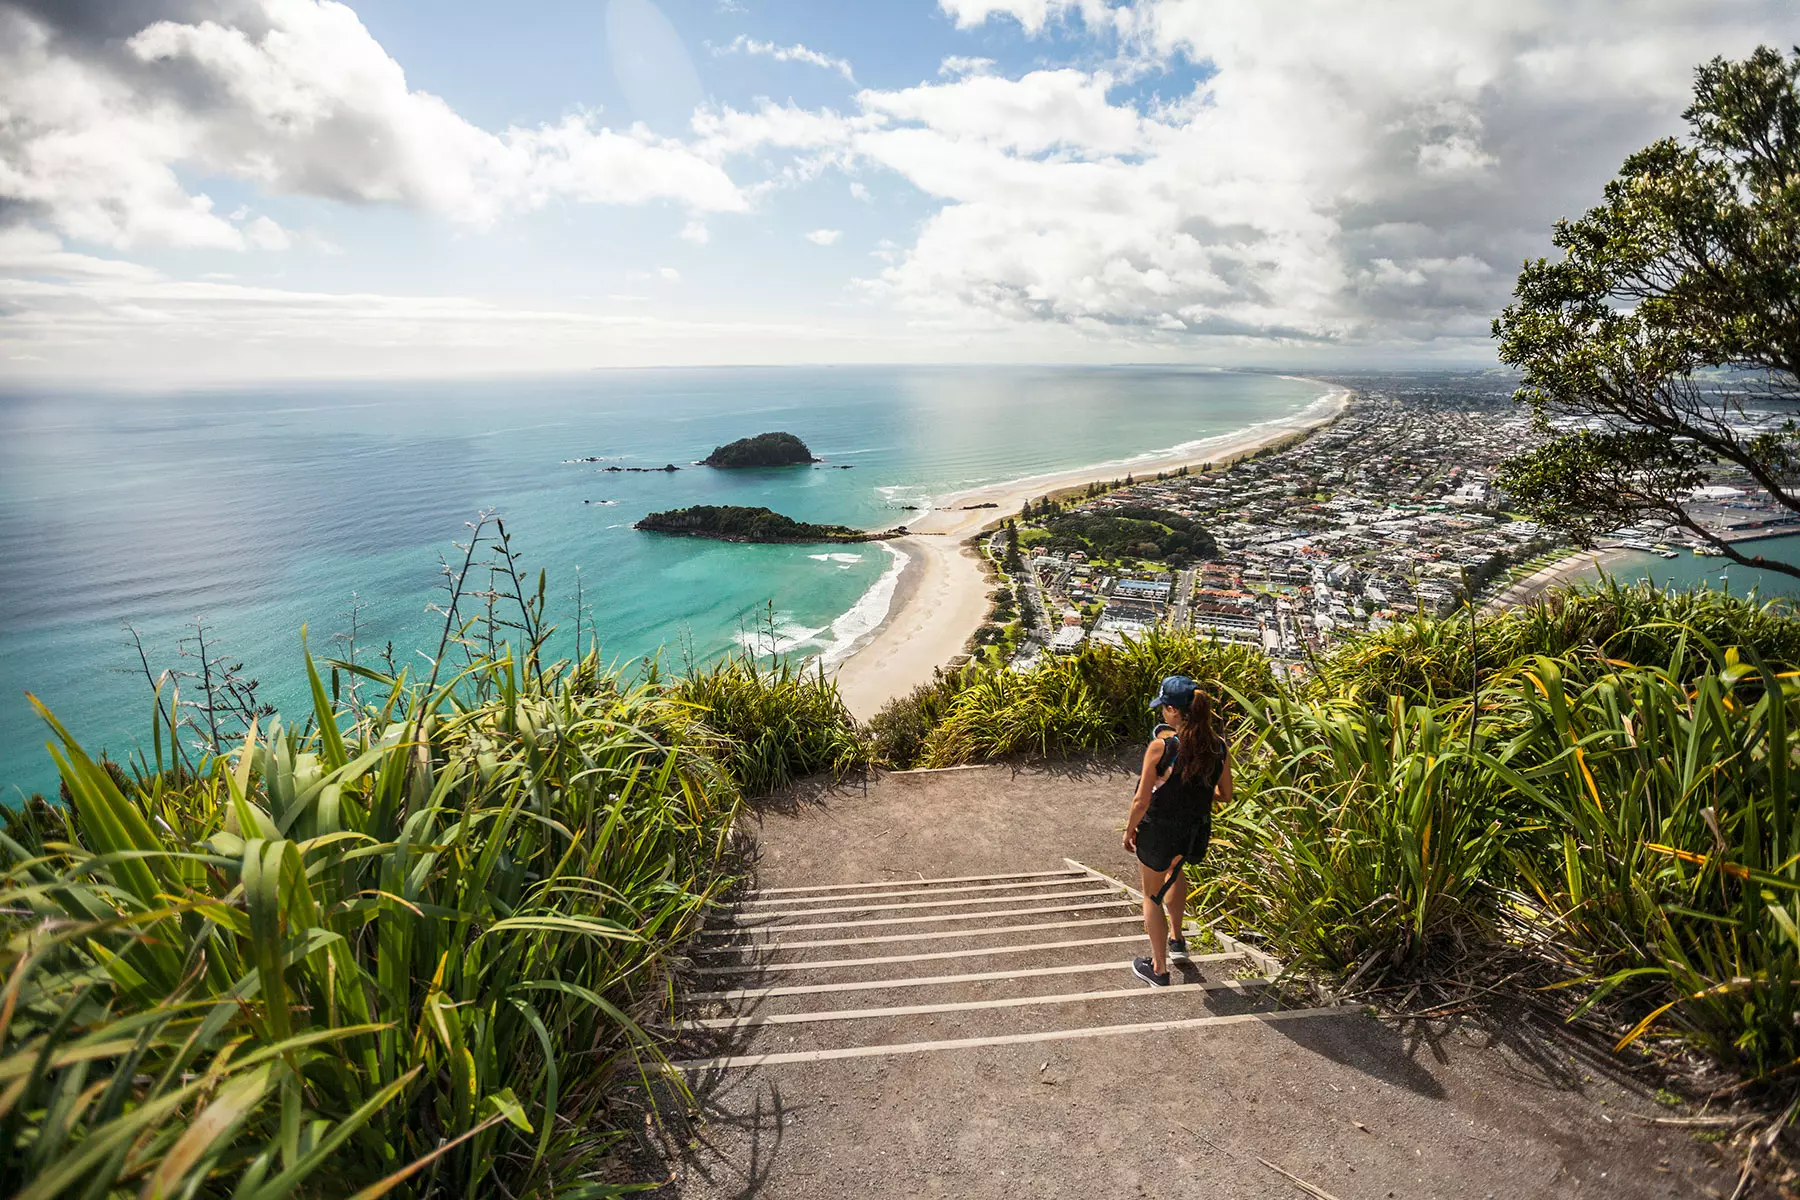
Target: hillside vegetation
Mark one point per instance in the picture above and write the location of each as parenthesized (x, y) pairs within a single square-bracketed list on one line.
[(417, 941), (411, 944), (1134, 531), (1610, 805)]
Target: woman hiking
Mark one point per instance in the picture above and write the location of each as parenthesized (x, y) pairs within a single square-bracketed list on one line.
[(1185, 766)]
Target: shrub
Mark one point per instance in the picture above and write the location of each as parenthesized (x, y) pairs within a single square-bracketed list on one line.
[(1094, 699), (1633, 826), (1371, 836), (1425, 657), (416, 950), (776, 724), (897, 733)]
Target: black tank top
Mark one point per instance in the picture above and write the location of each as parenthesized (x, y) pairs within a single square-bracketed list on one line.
[(1181, 801)]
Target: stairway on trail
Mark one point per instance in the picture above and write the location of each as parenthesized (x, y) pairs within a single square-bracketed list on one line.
[(811, 974)]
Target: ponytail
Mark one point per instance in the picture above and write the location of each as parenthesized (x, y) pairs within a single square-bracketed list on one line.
[(1199, 754)]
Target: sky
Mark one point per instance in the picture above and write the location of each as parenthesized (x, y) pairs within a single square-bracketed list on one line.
[(217, 190)]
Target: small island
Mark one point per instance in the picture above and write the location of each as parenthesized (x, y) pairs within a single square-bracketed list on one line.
[(763, 450), (734, 523)]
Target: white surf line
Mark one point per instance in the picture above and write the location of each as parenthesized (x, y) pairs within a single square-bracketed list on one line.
[(823, 964), (951, 891), (732, 1061), (839, 887), (876, 985), (804, 943), (913, 1010), (1023, 912), (764, 920), (1266, 963)]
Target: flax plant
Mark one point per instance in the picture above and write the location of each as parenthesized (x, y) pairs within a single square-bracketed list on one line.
[(410, 954), (1673, 869), (1371, 837), (1425, 657), (1094, 699), (777, 722)]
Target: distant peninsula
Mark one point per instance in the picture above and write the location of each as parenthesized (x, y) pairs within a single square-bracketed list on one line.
[(763, 450), (734, 523)]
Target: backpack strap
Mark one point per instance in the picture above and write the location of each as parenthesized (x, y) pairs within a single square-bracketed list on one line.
[(1171, 749), (1174, 869)]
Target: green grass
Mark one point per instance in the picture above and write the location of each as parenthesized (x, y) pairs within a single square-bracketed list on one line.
[(779, 722), (1624, 809), (420, 946), (1424, 657), (1095, 699), (410, 948)]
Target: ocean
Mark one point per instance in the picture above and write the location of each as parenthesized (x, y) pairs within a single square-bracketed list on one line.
[(259, 510), (1689, 570)]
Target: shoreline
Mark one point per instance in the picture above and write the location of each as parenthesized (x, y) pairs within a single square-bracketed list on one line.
[(1557, 574), (1594, 563), (941, 597)]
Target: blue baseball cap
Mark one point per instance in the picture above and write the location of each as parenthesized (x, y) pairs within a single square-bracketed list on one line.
[(1177, 690)]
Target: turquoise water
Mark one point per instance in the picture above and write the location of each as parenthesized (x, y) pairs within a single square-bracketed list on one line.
[(1691, 570), (263, 509)]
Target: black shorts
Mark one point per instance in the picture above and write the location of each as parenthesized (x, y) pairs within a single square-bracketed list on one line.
[(1159, 842)]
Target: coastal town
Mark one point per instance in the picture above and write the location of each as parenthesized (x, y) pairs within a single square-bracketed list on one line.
[(1389, 510)]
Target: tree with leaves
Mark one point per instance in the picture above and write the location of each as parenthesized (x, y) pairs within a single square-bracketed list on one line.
[(1664, 346)]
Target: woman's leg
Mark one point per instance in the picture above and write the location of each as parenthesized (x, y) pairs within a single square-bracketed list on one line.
[(1154, 925), (1175, 902)]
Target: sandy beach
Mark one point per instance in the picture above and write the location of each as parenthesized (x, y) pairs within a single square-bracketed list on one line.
[(1557, 574), (941, 596)]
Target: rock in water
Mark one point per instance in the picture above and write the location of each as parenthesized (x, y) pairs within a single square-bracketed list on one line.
[(763, 450)]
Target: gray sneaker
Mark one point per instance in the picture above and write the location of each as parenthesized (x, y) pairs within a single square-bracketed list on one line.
[(1145, 970), (1178, 952)]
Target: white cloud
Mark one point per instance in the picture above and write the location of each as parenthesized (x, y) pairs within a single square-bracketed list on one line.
[(743, 44), (1041, 111), (1032, 15), (824, 237), (299, 99), (1367, 175), (140, 329), (859, 192), (265, 234), (34, 253), (958, 64)]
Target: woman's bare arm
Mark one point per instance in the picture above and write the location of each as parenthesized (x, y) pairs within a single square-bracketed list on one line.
[(1140, 800), (1222, 794)]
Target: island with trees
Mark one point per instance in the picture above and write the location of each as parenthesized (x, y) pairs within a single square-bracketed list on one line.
[(763, 450), (737, 523)]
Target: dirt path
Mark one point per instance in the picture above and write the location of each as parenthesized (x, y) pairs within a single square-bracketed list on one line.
[(1353, 1105)]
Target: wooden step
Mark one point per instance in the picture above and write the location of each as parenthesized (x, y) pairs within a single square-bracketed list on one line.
[(819, 964), (989, 931), (765, 920), (871, 985), (910, 1010), (838, 887), (728, 1062)]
